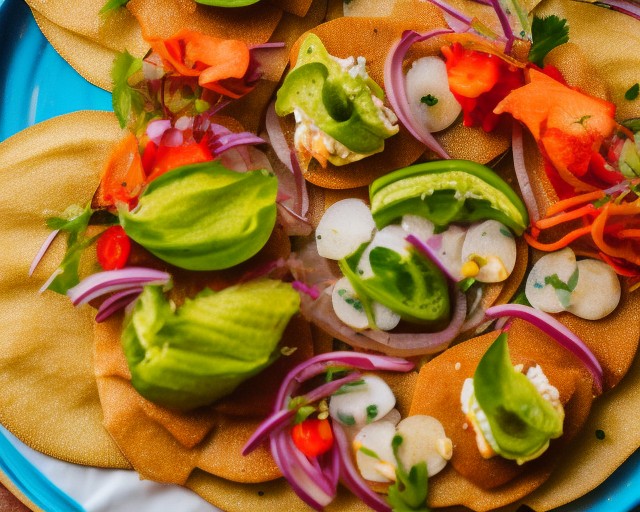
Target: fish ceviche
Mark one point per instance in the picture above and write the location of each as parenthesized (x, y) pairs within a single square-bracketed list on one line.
[(371, 255)]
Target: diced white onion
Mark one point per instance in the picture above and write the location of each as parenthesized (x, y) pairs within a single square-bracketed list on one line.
[(376, 437), (428, 78), (424, 439), (544, 296), (363, 404), (493, 242), (347, 305), (598, 290), (343, 228)]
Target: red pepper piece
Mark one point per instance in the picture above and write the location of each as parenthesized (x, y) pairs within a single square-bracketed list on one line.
[(113, 248), (313, 437), (479, 81)]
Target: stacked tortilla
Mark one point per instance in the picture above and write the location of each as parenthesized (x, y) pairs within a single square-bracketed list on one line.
[(65, 381)]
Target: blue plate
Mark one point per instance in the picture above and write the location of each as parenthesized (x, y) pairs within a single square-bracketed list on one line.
[(37, 84)]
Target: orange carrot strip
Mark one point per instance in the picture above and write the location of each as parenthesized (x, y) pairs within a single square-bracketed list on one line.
[(122, 176), (565, 217), (565, 204), (194, 54), (559, 244), (626, 251), (628, 233)]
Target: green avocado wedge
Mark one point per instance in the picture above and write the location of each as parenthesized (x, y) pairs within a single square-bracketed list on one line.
[(191, 356), (522, 422), (341, 104), (204, 216), (446, 191)]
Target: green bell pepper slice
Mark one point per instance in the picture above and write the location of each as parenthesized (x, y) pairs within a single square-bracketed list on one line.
[(410, 285), (447, 191)]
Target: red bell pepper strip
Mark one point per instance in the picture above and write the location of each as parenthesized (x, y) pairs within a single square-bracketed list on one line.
[(312, 436), (113, 248)]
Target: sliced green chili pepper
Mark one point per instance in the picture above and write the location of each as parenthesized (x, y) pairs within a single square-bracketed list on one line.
[(447, 191), (410, 285)]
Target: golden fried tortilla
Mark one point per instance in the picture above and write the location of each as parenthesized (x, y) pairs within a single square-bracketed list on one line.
[(437, 394), (49, 397), (88, 41), (373, 38)]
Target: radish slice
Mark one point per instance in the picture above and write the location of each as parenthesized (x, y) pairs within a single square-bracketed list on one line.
[(418, 226), (424, 439), (347, 305), (385, 318), (364, 403), (430, 99), (450, 250), (345, 226), (544, 296), (376, 437), (492, 246), (598, 290)]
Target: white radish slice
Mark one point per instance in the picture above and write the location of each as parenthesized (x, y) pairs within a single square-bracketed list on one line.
[(424, 439), (363, 403), (376, 437), (385, 318), (392, 237), (347, 305), (491, 243), (450, 249), (544, 296), (428, 79), (418, 226), (598, 290), (343, 228)]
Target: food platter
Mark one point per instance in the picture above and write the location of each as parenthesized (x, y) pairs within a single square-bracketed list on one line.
[(44, 88)]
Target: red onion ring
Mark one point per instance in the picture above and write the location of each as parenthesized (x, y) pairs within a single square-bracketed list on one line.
[(623, 6), (42, 251), (115, 280), (428, 251), (117, 302), (555, 329), (281, 418), (519, 165), (321, 313), (301, 482), (395, 88), (350, 476)]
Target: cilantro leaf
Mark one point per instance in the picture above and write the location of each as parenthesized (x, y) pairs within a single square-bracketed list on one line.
[(563, 290), (112, 5), (633, 92), (125, 98), (409, 492), (547, 33), (429, 100), (632, 124), (67, 274)]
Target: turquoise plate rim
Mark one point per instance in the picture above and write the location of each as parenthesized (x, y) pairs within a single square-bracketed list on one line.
[(28, 96)]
